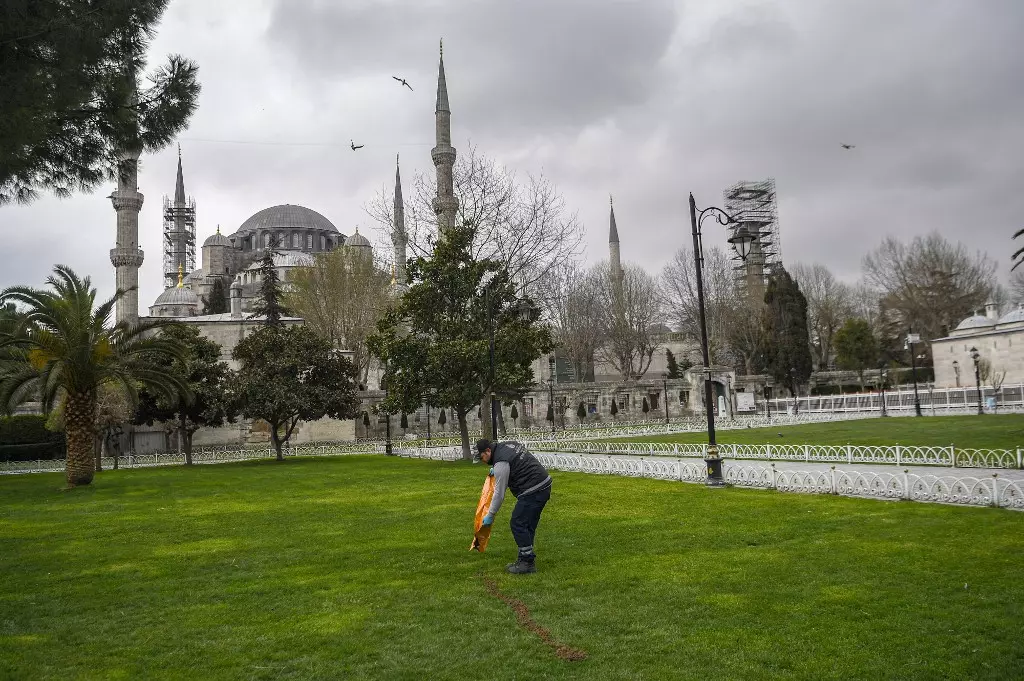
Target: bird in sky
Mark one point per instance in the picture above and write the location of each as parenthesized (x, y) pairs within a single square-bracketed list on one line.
[(354, 145), (847, 146), (402, 81)]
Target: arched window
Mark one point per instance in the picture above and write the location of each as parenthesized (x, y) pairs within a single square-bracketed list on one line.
[(266, 240), (309, 241), (281, 240), (295, 239), (323, 242)]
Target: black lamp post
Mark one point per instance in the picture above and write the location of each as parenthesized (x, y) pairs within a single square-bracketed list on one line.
[(742, 237), (387, 415), (976, 356), (911, 339), (881, 386), (796, 397), (664, 394), (551, 405)]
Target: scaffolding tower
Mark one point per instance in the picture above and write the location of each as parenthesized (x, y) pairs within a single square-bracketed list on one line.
[(179, 239), (754, 204)]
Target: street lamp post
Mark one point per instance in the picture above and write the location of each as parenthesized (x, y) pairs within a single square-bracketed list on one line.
[(742, 237), (664, 395), (428, 422), (796, 396), (387, 415), (976, 356), (881, 386), (911, 339), (551, 405)]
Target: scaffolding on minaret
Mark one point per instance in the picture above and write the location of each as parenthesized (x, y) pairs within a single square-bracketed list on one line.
[(179, 232), (755, 203)]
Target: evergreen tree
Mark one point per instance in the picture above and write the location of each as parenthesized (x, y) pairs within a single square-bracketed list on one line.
[(581, 412), (435, 340), (269, 303), (856, 347), (442, 419), (673, 365), (788, 349), (206, 376), (71, 102), (615, 407), (645, 408), (218, 301), (514, 414)]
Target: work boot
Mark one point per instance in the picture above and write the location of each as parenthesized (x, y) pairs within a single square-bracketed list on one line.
[(525, 565)]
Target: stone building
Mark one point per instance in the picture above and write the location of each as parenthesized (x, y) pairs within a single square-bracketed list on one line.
[(999, 341)]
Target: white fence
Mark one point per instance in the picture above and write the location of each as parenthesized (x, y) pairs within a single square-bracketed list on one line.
[(896, 455), (947, 489), (899, 400)]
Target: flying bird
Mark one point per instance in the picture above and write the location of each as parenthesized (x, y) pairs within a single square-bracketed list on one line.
[(354, 145), (402, 81), (847, 146)]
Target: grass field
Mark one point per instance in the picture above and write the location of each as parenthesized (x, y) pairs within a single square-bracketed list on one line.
[(357, 567), (991, 431)]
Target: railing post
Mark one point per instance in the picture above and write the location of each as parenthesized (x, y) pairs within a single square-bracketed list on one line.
[(899, 458), (952, 456), (832, 479), (1019, 458), (995, 490), (849, 453), (807, 454), (769, 446), (906, 483), (775, 485)]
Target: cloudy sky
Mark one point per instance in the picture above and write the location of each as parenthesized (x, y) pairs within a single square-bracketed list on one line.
[(645, 99)]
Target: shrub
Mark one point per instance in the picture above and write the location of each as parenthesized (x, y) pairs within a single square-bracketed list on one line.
[(24, 437)]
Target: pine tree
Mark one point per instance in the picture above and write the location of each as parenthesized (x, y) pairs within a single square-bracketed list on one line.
[(71, 99), (645, 408), (615, 407), (581, 412), (218, 301), (514, 414), (404, 422), (788, 350), (269, 302), (673, 365)]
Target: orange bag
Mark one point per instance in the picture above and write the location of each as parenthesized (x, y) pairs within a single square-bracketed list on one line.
[(481, 532)]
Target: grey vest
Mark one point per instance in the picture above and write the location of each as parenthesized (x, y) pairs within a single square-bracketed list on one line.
[(525, 472)]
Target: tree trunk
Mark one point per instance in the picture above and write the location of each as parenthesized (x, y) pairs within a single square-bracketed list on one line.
[(98, 442), (79, 416), (275, 439), (464, 432), (501, 423), (485, 417)]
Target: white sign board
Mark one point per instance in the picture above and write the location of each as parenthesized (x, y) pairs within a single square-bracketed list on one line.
[(745, 402), (913, 338)]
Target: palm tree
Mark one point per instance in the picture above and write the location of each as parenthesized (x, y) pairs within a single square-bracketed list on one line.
[(60, 349), (1018, 257)]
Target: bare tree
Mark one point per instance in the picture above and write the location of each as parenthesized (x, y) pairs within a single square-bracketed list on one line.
[(1017, 287), (678, 298), (524, 224), (746, 333), (341, 296), (569, 296), (929, 284), (628, 311), (829, 305)]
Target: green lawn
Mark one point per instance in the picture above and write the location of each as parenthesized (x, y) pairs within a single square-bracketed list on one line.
[(991, 431), (357, 567)]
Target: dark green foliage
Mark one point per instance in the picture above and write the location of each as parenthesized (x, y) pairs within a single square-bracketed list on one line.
[(673, 365), (366, 419), (435, 340), (24, 437), (441, 418), (404, 421), (200, 366), (787, 353), (514, 413), (70, 102), (551, 413), (581, 412), (856, 347), (218, 302), (615, 406), (288, 374), (269, 303), (646, 407)]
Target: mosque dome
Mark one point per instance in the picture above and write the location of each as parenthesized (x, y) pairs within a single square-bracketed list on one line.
[(358, 240), (177, 295), (1015, 316), (217, 239), (287, 216), (975, 322)]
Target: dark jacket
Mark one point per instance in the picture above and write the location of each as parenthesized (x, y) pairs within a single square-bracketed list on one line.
[(526, 474)]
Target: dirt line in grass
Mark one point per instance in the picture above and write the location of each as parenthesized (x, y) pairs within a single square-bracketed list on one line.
[(525, 621)]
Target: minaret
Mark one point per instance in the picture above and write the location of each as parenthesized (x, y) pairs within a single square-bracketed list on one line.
[(179, 230), (126, 256), (399, 238), (443, 154), (613, 246)]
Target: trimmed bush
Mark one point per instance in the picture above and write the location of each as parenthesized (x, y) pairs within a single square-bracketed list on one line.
[(24, 437)]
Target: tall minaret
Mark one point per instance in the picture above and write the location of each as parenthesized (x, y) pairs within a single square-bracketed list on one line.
[(443, 154), (126, 256), (613, 246), (179, 231), (399, 238)]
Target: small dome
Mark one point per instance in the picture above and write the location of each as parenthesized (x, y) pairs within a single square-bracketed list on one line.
[(358, 240), (286, 259), (976, 322), (217, 239), (177, 296), (1012, 317), (195, 275)]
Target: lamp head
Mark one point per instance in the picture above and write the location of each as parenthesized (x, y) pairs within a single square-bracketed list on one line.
[(744, 236)]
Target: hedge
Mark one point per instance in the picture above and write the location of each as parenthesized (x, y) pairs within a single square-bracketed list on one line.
[(24, 437)]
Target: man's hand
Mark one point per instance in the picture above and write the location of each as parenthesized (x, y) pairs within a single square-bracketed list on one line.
[(488, 520), (491, 472)]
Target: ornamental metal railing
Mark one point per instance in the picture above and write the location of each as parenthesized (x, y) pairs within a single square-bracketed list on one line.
[(896, 454), (899, 401)]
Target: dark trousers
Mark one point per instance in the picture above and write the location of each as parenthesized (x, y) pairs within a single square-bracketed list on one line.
[(526, 515)]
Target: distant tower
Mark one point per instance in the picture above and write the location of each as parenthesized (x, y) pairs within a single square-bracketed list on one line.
[(613, 247), (399, 238), (179, 231), (754, 203), (127, 257), (443, 154)]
